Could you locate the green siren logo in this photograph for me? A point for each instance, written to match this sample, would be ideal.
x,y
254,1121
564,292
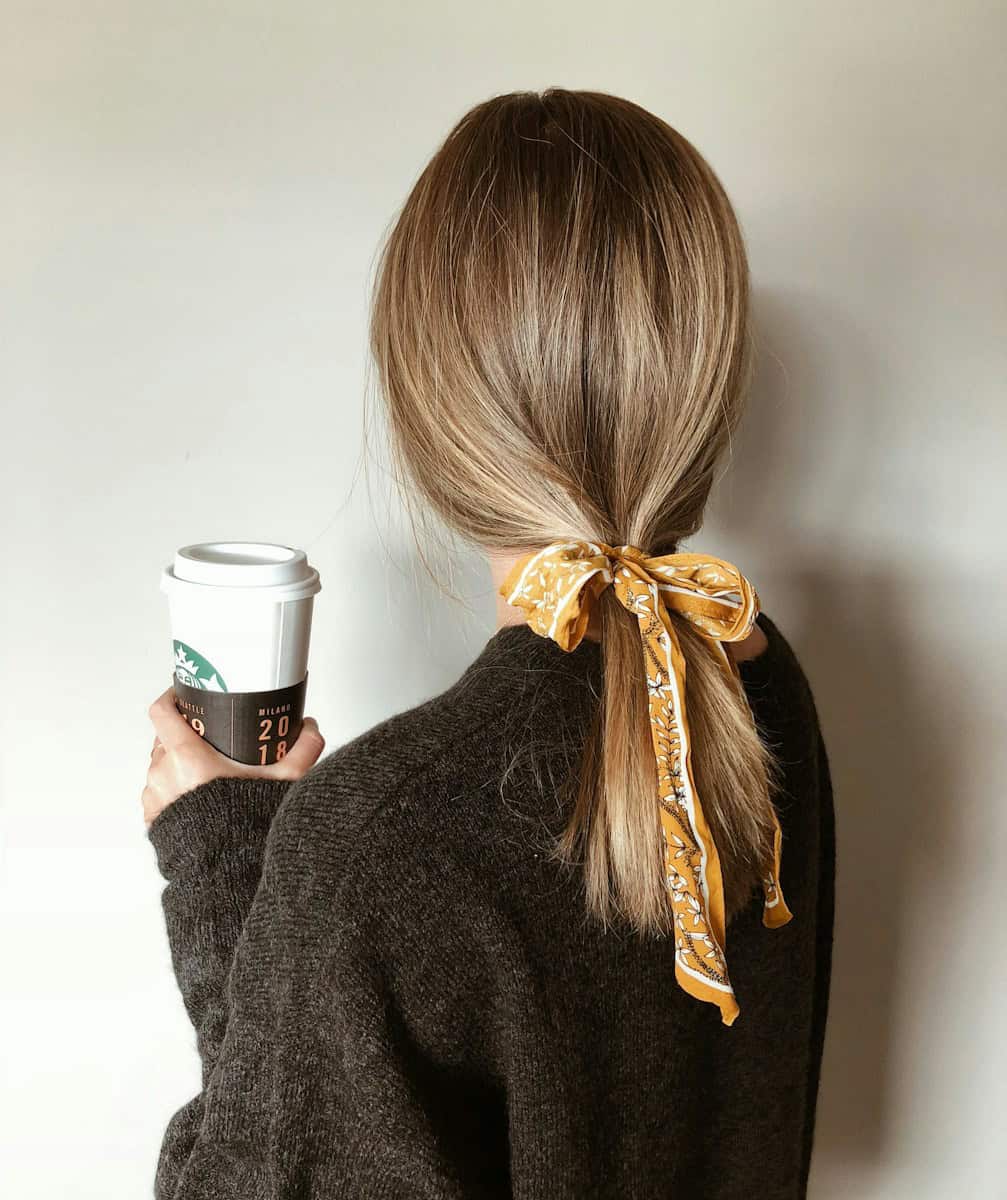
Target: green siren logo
x,y
192,668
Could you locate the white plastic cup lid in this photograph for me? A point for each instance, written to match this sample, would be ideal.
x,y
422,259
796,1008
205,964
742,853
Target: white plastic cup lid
x,y
277,572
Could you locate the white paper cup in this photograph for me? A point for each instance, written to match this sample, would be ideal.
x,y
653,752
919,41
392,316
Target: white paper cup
x,y
241,625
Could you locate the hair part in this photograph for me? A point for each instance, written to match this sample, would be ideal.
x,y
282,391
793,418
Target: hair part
x,y
560,327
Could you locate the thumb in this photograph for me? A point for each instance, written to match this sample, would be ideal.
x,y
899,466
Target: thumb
x,y
305,751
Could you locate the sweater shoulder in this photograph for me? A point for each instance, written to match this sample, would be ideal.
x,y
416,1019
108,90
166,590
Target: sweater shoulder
x,y
779,673
784,708
389,783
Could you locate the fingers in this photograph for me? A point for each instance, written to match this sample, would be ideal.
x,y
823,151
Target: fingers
x,y
310,726
171,727
305,751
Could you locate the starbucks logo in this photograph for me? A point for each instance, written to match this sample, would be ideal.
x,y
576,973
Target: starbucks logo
x,y
193,669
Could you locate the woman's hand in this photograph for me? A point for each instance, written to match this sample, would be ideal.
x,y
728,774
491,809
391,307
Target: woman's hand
x,y
181,760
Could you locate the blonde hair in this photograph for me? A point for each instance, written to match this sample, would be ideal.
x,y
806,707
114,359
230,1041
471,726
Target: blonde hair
x,y
560,328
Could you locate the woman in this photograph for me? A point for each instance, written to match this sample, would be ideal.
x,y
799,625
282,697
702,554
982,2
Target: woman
x,y
563,930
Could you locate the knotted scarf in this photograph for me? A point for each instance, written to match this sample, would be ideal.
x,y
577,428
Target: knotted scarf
x,y
556,586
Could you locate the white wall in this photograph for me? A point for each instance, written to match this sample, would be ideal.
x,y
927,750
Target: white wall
x,y
192,196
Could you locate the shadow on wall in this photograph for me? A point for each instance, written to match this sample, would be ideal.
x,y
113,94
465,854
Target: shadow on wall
x,y
813,443
892,782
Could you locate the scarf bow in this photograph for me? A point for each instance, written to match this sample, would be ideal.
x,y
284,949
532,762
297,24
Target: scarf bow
x,y
556,586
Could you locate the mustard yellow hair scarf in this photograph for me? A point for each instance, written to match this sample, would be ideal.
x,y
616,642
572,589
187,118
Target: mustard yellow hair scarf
x,y
557,586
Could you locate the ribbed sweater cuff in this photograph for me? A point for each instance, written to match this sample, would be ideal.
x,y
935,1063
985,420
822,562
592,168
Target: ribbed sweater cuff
x,y
213,818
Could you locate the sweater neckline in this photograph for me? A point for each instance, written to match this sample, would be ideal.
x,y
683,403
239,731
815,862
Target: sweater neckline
x,y
517,665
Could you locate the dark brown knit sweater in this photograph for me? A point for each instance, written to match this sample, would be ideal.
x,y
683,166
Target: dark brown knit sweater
x,y
396,993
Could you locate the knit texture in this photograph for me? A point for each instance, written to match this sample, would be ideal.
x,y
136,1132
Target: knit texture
x,y
397,993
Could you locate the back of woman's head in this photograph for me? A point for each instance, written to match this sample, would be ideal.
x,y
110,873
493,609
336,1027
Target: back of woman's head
x,y
560,326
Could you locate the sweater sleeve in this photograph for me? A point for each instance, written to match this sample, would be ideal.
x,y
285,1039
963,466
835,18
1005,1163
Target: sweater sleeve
x,y
313,1084
209,845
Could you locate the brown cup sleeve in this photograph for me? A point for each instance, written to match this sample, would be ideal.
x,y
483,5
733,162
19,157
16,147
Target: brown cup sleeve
x,y
257,728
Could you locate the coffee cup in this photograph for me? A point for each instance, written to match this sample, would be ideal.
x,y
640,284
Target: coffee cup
x,y
240,617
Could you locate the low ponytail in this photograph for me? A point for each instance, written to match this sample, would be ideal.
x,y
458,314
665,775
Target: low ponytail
x,y
560,326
